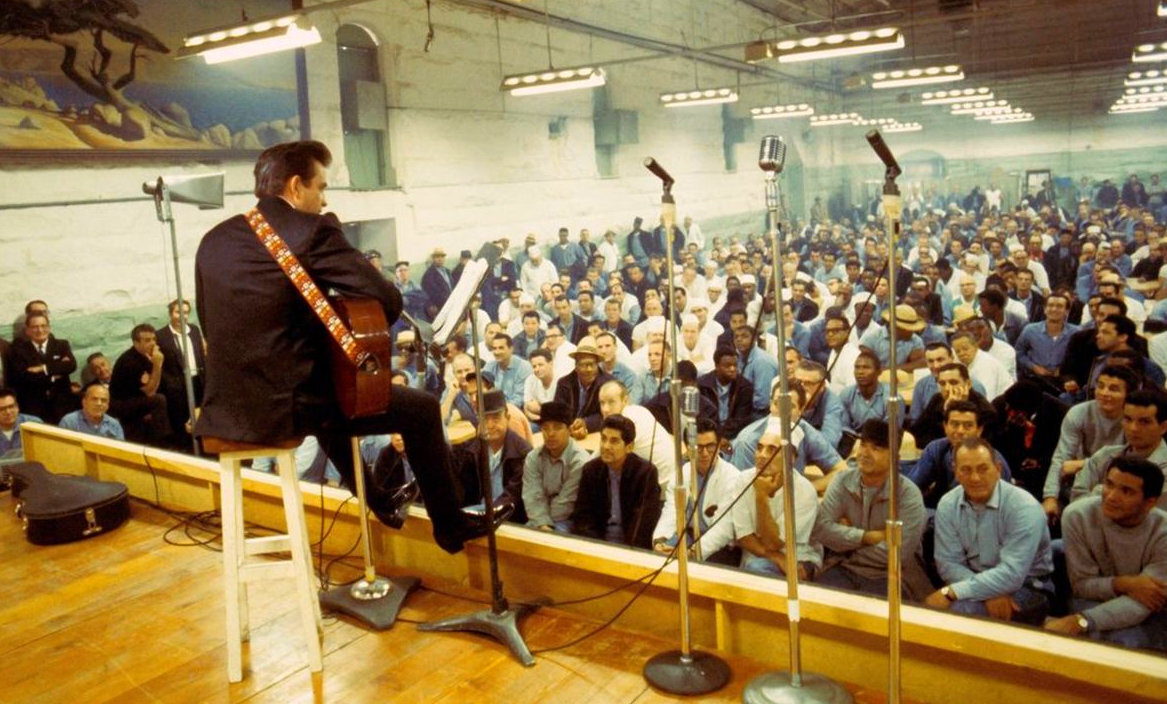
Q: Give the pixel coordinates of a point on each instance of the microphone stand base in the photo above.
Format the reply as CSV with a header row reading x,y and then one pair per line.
x,y
777,688
374,603
676,673
503,627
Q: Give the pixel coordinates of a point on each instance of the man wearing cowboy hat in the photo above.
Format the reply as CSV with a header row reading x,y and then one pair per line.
x,y
580,388
437,282
909,346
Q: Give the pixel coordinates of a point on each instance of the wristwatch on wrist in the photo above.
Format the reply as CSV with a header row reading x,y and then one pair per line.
x,y
946,592
1083,623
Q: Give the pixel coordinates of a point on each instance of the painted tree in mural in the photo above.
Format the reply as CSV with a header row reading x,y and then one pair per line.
x,y
84,27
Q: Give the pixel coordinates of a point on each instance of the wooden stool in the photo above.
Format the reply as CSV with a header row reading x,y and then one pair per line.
x,y
238,569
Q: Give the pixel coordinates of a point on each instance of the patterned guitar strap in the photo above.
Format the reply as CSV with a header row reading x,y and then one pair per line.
x,y
317,301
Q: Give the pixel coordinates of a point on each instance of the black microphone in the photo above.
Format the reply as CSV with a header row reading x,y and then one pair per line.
x,y
772,155
875,139
658,170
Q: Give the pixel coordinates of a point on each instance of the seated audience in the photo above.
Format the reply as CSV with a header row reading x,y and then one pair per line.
x,y
10,421
935,471
579,390
852,522
992,544
717,486
506,453
731,394
955,385
619,493
1116,556
822,410
92,418
39,365
1144,422
551,474
133,389
510,371
867,398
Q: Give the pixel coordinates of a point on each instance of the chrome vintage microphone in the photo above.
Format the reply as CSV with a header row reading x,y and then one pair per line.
x,y
795,685
680,671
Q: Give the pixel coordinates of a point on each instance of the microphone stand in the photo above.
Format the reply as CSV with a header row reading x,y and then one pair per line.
x,y
500,621
684,671
892,208
166,215
795,685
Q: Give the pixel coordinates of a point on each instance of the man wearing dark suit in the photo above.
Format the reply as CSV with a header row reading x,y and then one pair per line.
x,y
437,282
628,515
731,394
268,379
40,369
174,362
580,389
507,453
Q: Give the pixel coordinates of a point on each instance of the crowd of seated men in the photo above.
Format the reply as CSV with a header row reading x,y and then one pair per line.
x,y
1029,356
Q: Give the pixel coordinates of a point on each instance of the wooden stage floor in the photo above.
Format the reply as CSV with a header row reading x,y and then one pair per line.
x,y
127,617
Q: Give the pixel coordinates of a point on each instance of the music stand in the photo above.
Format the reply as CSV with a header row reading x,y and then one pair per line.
x,y
500,621
205,191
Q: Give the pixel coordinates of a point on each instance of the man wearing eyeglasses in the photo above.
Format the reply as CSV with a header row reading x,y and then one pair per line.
x,y
717,487
10,421
992,544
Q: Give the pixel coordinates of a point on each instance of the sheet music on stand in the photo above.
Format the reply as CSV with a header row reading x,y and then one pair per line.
x,y
474,273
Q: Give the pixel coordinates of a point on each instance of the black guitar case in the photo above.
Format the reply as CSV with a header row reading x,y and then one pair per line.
x,y
63,508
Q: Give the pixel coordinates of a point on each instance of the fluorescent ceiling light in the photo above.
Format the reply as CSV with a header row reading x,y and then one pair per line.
x,y
978,106
1144,53
1123,110
1145,90
916,76
773,112
1146,78
689,98
865,41
250,39
956,95
904,127
877,122
847,118
1010,119
553,81
998,113
1141,99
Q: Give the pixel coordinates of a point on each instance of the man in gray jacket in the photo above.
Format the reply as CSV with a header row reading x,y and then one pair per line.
x,y
852,519
551,473
1116,555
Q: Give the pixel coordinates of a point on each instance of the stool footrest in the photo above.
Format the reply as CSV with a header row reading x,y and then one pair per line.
x,y
267,544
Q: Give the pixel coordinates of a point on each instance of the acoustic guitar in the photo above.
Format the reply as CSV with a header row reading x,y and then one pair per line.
x,y
363,391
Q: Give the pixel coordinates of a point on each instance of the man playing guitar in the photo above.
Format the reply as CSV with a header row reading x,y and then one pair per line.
x,y
268,375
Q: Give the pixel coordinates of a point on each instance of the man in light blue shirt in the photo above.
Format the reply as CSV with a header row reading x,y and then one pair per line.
x,y
92,418
510,371
10,420
992,544
1041,347
866,399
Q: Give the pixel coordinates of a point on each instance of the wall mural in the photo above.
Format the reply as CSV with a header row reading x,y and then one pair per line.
x,y
100,77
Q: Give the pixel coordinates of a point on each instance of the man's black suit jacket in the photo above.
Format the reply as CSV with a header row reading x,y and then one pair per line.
x,y
172,357
47,395
640,501
741,402
268,376
588,407
435,286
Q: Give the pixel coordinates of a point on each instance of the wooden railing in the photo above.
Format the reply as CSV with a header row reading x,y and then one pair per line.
x,y
946,658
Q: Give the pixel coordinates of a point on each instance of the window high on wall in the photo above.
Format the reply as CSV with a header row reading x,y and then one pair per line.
x,y
363,109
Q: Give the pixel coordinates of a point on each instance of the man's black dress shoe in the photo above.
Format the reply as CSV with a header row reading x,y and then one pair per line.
x,y
392,507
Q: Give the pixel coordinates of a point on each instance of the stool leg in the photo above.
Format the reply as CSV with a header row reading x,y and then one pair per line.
x,y
231,508
241,551
301,560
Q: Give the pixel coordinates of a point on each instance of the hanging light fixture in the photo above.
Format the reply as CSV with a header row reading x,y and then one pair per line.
x,y
998,113
1153,77
978,106
904,127
1145,90
902,78
1145,53
1012,119
689,98
774,112
847,118
551,79
865,41
250,39
956,95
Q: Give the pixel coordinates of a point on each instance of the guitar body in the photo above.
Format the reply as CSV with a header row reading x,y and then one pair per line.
x,y
363,392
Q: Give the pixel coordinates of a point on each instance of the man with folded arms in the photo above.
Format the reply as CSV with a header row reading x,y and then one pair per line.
x,y
1116,556
992,544
852,519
